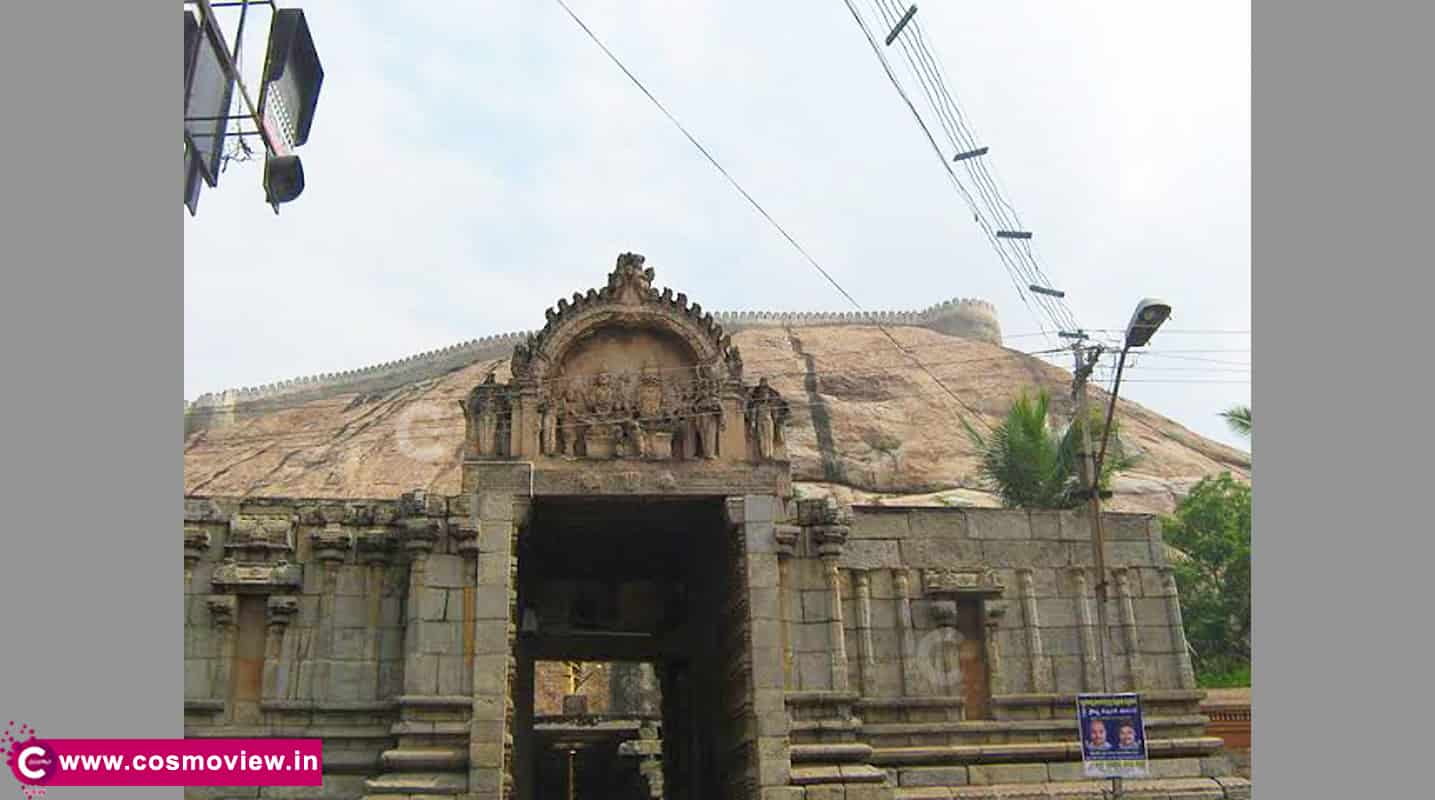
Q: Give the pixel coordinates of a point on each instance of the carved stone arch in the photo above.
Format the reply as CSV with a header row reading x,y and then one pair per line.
x,y
628,302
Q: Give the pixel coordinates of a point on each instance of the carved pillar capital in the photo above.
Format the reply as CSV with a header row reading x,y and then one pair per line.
x,y
996,612
196,543
830,539
734,509
280,610
330,544
465,537
420,531
944,613
222,609
787,537
376,546
420,536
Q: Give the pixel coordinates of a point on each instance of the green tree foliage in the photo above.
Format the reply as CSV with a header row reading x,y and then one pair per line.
x,y
1212,530
1031,464
1239,418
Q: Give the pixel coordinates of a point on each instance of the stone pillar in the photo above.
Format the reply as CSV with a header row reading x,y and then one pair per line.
x,y
830,539
788,537
494,664
428,758
1131,641
901,586
223,613
1041,678
330,545
754,518
376,549
1090,648
995,612
279,611
862,588
1178,629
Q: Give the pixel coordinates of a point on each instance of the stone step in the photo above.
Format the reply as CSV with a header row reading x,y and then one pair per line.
x,y
434,783
1029,751
1049,772
1159,789
425,759
835,753
836,774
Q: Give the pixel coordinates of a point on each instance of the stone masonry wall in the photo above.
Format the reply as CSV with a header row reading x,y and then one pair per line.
x,y
884,677
300,622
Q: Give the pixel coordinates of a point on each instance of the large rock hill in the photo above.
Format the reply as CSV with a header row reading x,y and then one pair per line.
x,y
868,425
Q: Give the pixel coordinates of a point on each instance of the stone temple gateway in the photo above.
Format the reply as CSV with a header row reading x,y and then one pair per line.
x,y
626,497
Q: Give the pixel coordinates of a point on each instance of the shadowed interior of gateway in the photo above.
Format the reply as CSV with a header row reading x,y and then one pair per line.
x,y
628,580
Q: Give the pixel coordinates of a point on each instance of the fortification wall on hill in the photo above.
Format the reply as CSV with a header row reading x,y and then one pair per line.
x,y
964,317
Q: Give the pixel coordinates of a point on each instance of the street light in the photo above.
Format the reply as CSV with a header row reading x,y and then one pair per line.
x,y
1150,314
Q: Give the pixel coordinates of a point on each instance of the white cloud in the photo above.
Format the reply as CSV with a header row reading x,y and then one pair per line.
x,y
472,162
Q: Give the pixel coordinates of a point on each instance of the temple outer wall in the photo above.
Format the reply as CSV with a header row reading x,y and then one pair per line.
x,y
307,618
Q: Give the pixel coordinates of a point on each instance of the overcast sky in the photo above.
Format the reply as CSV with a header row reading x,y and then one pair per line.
x,y
471,162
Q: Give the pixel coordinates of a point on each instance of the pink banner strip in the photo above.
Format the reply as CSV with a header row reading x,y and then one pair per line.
x,y
168,762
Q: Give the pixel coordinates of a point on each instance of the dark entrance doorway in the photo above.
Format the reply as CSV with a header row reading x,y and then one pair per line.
x,y
650,580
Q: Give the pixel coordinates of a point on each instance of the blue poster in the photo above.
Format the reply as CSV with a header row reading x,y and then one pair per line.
x,y
1113,735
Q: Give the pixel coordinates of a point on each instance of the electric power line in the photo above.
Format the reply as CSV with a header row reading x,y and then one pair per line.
x,y
755,204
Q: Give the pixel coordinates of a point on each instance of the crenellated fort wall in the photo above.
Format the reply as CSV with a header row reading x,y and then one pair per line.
x,y
963,317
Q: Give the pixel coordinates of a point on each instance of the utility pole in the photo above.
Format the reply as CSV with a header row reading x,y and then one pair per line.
x,y
1085,360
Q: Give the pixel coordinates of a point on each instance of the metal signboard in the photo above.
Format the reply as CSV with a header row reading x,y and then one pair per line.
x,y
1113,735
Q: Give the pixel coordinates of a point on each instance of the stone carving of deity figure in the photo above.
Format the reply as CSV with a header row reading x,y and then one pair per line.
x,y
707,412
482,412
767,412
601,398
548,427
571,420
487,425
650,415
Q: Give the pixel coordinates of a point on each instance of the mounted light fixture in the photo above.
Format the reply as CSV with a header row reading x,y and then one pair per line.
x,y
1150,314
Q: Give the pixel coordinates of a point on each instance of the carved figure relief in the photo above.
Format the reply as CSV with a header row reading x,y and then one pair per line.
x,y
767,414
578,391
487,417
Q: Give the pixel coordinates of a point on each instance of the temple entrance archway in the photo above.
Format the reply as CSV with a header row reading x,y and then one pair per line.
x,y
649,580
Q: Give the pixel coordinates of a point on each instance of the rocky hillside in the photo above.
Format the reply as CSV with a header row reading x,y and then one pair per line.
x,y
868,425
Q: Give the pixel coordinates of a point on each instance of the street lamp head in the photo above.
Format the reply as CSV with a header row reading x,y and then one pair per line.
x,y
1150,313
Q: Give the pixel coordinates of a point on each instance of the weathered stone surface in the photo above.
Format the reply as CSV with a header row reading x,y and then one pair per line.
x,y
381,458
1006,773
932,776
870,554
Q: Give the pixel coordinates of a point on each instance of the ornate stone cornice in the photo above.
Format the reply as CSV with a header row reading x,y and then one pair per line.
x,y
268,575
260,535
969,580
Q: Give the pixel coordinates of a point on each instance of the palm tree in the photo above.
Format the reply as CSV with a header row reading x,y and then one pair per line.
x,y
1239,418
1031,465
